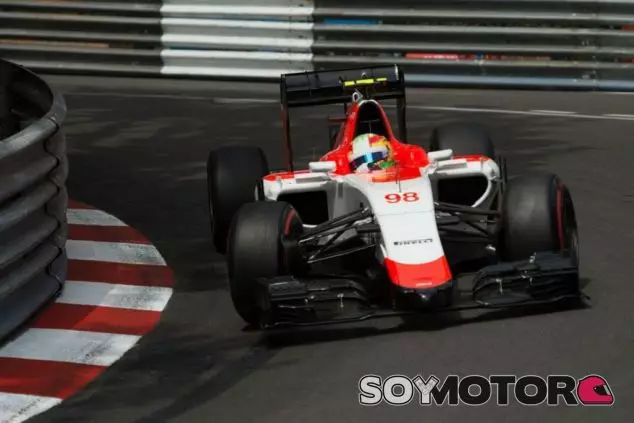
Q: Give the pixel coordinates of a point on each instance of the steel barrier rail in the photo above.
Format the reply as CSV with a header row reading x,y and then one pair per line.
x,y
246,40
33,199
252,39
551,44
83,35
585,44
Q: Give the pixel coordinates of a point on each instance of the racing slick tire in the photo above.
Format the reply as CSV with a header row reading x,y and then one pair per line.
x,y
255,251
537,216
232,177
465,139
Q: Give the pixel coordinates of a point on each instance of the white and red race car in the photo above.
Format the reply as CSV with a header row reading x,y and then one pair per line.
x,y
335,242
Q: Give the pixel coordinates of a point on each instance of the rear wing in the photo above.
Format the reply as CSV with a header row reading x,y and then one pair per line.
x,y
337,87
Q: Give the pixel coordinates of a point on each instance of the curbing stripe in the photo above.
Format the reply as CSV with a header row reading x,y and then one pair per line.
x,y
45,378
72,204
98,319
16,408
76,216
149,298
106,234
121,273
69,346
118,285
114,252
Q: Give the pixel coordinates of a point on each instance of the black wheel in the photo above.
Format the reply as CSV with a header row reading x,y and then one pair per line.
x,y
465,139
232,177
538,215
255,250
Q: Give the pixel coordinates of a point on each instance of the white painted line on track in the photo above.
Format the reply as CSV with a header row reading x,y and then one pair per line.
x,y
128,95
132,297
114,252
17,408
70,346
517,112
554,112
237,100
92,217
619,115
211,99
242,100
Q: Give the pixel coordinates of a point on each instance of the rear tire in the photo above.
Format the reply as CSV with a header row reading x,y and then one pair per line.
x,y
465,139
255,250
538,215
232,176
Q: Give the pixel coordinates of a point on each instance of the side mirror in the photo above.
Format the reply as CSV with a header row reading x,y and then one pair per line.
x,y
322,167
436,156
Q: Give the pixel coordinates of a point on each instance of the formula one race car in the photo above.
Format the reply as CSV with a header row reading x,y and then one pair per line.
x,y
380,227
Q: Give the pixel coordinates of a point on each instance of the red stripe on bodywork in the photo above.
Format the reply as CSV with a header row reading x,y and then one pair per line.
x,y
284,175
421,276
106,234
97,319
472,158
122,273
45,378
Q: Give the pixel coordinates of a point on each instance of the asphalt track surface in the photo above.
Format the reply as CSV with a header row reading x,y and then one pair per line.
x,y
138,150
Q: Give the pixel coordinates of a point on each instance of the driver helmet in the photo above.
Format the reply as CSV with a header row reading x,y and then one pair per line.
x,y
370,152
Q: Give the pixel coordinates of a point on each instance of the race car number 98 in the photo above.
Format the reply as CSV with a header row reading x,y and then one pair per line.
x,y
409,197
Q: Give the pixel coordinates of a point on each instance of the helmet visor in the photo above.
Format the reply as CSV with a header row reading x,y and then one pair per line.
x,y
366,158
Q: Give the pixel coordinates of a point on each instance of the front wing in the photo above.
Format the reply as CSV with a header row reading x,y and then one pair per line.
x,y
289,301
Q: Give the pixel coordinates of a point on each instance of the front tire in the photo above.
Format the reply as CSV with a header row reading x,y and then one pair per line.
x,y
232,176
255,251
538,215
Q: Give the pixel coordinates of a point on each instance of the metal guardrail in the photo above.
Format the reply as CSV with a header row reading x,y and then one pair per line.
x,y
83,36
33,199
586,44
185,38
564,44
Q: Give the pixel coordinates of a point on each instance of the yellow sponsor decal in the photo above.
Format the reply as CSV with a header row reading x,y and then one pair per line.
x,y
368,81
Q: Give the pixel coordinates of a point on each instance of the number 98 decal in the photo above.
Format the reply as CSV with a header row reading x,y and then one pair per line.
x,y
408,197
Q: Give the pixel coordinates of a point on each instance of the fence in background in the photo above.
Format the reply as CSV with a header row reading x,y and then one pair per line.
x,y
33,199
553,43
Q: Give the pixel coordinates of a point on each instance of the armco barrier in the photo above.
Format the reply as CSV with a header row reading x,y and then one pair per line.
x,y
83,35
586,44
33,199
536,43
242,39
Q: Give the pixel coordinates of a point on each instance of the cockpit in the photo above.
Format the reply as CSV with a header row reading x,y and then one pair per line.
x,y
370,120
